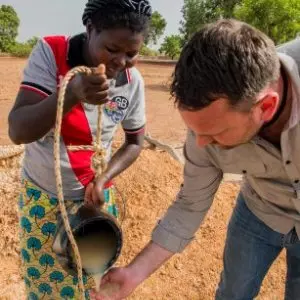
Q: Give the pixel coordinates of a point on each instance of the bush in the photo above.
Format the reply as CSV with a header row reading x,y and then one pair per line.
x,y
21,50
172,46
146,51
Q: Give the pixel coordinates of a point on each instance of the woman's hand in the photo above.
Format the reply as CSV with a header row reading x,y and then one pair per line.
x,y
89,88
94,193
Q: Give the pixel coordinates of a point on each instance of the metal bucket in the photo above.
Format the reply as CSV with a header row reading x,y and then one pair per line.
x,y
85,220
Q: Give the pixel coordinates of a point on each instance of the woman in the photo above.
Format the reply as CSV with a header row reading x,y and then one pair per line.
x,y
115,31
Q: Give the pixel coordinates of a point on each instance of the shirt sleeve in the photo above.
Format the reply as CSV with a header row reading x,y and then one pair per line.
x,y
183,218
135,119
40,72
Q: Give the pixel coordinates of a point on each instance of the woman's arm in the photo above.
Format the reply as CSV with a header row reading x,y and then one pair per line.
x,y
33,114
122,159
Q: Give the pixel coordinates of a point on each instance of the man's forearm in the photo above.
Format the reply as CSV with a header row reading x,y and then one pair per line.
x,y
151,258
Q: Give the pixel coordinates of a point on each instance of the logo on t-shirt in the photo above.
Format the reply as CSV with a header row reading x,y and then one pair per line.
x,y
115,108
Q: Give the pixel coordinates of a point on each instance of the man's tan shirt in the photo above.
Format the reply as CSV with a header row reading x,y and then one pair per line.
x,y
271,186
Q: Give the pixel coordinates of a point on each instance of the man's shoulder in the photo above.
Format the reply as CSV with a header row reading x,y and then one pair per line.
x,y
290,45
292,49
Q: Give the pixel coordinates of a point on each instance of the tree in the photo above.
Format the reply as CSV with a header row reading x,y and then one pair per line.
x,y
172,46
225,8
193,18
196,13
9,24
279,19
157,28
32,41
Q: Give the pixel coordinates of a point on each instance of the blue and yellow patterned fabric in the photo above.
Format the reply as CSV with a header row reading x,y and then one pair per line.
x,y
43,275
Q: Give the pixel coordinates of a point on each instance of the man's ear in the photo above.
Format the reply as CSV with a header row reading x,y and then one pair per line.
x,y
269,106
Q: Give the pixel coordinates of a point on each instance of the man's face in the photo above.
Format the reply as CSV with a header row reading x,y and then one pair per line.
x,y
224,126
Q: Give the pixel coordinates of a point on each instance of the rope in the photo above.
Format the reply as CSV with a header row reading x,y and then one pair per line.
x,y
98,162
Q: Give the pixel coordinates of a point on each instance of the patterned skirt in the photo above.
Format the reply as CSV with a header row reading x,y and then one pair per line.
x,y
43,275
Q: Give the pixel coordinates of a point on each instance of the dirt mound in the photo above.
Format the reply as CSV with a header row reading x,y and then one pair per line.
x,y
11,286
148,187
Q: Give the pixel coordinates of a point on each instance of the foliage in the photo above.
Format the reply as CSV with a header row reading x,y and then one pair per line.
x,y
32,41
157,28
9,23
279,19
20,50
172,46
196,13
146,51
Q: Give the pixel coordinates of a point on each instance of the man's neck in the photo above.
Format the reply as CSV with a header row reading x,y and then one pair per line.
x,y
273,132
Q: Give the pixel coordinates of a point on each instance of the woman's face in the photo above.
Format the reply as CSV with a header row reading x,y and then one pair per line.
x,y
117,49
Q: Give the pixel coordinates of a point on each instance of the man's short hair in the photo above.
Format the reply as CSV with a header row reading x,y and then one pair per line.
x,y
226,59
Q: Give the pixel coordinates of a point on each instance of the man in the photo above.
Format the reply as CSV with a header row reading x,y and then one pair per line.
x,y
240,99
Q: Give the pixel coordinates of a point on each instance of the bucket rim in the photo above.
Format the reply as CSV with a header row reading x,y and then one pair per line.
x,y
117,230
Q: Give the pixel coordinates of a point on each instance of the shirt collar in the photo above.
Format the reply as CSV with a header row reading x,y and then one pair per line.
x,y
292,70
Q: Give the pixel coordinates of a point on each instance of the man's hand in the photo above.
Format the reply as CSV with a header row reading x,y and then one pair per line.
x,y
117,284
94,193
127,279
